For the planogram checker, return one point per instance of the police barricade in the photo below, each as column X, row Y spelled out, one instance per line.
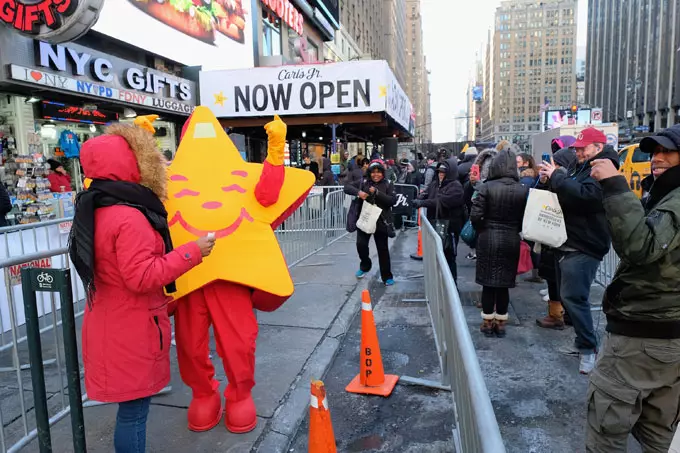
column 475, row 426
column 304, row 234
column 607, row 269
column 403, row 212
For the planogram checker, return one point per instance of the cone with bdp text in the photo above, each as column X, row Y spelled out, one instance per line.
column 321, row 437
column 419, row 253
column 371, row 379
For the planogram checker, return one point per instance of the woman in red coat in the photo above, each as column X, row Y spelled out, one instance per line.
column 120, row 245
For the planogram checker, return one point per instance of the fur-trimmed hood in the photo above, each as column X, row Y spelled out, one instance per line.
column 484, row 162
column 126, row 153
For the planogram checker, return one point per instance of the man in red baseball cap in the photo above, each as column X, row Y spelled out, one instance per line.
column 589, row 143
column 588, row 238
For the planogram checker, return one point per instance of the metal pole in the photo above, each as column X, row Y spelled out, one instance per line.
column 35, row 355
column 334, row 145
column 72, row 367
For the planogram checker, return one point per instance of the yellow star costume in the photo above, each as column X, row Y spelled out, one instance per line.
column 213, row 190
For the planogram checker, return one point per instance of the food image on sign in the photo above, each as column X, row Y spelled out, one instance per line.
column 199, row 19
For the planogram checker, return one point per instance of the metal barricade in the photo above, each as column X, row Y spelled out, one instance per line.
column 476, row 429
column 405, row 194
column 607, row 269
column 317, row 223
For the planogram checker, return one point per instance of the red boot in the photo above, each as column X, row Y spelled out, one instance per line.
column 241, row 416
column 205, row 412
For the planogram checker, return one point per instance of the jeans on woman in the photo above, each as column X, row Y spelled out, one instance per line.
column 130, row 433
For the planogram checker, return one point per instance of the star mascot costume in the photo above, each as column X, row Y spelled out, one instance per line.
column 212, row 190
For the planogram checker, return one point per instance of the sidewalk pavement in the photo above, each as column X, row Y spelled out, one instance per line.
column 295, row 344
column 413, row 419
column 537, row 393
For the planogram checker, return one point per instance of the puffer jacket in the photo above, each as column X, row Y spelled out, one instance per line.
column 446, row 200
column 642, row 299
column 126, row 331
column 497, row 212
column 327, row 178
column 384, row 198
column 581, row 199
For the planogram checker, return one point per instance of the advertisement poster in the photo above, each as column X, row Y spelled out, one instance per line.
column 349, row 87
column 215, row 34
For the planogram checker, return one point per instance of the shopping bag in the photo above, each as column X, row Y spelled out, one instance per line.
column 525, row 264
column 368, row 218
column 469, row 235
column 543, row 219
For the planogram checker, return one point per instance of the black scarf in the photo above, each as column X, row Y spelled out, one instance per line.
column 103, row 193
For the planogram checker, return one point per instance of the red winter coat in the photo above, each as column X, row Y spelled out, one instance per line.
column 126, row 332
column 59, row 180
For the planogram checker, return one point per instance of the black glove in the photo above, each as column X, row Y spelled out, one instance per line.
column 417, row 204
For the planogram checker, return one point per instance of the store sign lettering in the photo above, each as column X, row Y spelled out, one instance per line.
column 286, row 11
column 30, row 17
column 100, row 69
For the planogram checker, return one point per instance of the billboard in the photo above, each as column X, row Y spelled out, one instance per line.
column 565, row 117
column 478, row 93
column 214, row 34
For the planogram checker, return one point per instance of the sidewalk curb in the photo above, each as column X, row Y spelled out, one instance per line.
column 284, row 424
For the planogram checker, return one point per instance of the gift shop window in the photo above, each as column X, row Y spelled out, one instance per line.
column 271, row 34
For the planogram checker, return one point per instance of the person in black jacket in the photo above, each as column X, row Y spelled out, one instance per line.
column 445, row 202
column 588, row 238
column 5, row 205
column 497, row 213
column 357, row 173
column 375, row 189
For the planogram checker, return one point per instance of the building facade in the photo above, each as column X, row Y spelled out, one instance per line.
column 395, row 37
column 631, row 61
column 417, row 76
column 530, row 65
column 363, row 20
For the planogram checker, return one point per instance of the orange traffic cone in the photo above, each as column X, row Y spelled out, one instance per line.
column 419, row 254
column 371, row 379
column 321, row 437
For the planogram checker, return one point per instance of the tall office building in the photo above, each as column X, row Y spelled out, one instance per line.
column 631, row 64
column 364, row 21
column 417, row 76
column 530, row 64
column 395, row 38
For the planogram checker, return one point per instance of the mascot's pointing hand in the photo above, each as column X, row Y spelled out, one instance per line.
column 146, row 122
column 276, row 132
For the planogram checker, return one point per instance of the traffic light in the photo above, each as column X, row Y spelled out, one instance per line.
column 574, row 108
column 478, row 121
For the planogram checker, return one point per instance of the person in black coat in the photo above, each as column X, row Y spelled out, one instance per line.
column 497, row 213
column 5, row 205
column 377, row 190
column 356, row 174
column 446, row 201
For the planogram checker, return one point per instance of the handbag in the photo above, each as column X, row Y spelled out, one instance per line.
column 353, row 215
column 368, row 218
column 441, row 227
column 525, row 264
column 468, row 234
column 543, row 220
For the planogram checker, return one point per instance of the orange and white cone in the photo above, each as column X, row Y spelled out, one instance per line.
column 371, row 379
column 321, row 437
column 419, row 253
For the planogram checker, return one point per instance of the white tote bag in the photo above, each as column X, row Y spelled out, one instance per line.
column 543, row 219
column 368, row 219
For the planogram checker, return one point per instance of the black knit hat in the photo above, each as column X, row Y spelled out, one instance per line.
column 54, row 164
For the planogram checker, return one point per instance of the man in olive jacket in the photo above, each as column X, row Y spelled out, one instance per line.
column 635, row 386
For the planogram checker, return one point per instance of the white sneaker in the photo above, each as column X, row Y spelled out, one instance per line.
column 544, row 292
column 546, row 298
column 587, row 363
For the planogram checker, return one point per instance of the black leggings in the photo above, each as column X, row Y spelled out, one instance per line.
column 554, row 291
column 495, row 300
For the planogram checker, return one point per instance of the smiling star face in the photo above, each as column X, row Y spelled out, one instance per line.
column 211, row 189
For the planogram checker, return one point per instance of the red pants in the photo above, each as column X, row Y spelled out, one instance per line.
column 229, row 308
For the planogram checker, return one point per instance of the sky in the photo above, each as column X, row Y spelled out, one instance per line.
column 453, row 34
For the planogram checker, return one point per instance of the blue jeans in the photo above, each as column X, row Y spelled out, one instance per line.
column 577, row 274
column 130, row 434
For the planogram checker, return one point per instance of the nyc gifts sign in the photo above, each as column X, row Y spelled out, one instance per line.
column 54, row 21
column 336, row 88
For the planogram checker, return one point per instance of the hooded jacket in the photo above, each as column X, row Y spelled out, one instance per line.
column 327, row 178
column 466, row 164
column 497, row 213
column 581, row 199
column 383, row 198
column 642, row 299
column 126, row 333
column 445, row 199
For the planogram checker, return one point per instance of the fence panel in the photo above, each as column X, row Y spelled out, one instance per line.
column 475, row 426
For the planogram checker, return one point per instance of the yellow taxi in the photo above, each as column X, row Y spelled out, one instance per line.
column 635, row 165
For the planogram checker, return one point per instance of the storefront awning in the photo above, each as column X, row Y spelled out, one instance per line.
column 363, row 96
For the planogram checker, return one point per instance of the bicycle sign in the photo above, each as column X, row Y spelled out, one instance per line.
column 45, row 279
